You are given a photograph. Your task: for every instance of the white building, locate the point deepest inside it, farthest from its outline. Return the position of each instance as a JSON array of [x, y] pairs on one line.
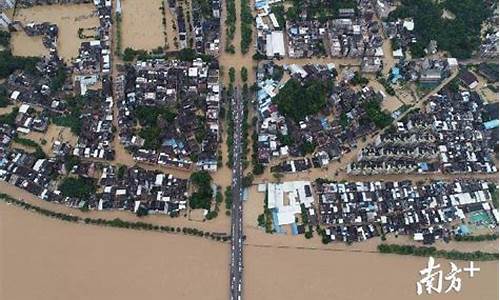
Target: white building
[[286, 198], [275, 44]]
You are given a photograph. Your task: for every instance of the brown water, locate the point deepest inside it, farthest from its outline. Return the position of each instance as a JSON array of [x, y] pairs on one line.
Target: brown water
[[236, 60], [142, 26], [24, 45], [42, 258], [272, 273], [69, 18], [52, 134], [60, 260]]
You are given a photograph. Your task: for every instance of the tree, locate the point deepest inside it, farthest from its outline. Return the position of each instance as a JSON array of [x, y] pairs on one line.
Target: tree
[[187, 54], [460, 36], [211, 215], [129, 54], [278, 176], [261, 220], [58, 81], [359, 80], [376, 115], [77, 187], [9, 118], [202, 198], [70, 162], [247, 180], [308, 147], [142, 211], [244, 74], [121, 172], [10, 63], [232, 74], [296, 100]]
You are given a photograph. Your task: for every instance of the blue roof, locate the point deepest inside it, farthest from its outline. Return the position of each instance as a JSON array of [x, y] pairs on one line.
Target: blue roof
[[261, 3], [261, 95], [491, 124], [424, 166], [276, 225], [464, 230], [324, 123]]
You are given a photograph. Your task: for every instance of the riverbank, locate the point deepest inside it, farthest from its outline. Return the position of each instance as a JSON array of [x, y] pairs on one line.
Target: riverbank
[[56, 260]]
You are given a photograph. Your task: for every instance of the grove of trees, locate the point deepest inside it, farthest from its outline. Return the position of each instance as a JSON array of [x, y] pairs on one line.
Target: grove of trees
[[296, 100]]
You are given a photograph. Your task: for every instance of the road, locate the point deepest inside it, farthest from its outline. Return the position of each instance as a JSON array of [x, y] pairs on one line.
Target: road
[[236, 266]]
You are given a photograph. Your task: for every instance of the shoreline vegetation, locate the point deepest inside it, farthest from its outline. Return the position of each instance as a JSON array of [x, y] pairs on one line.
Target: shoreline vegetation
[[117, 222], [411, 250], [476, 238], [432, 251]]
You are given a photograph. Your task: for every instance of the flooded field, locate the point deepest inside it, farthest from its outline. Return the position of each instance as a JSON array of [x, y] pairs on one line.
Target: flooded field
[[69, 18], [53, 133], [142, 26], [24, 45], [390, 103]]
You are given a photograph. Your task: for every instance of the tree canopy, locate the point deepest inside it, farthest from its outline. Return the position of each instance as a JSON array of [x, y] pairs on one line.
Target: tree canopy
[[296, 100], [77, 187], [10, 63], [459, 36], [202, 198]]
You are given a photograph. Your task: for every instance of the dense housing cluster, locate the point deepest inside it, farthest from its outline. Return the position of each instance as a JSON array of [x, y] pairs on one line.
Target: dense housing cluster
[[347, 114], [68, 173], [176, 105], [40, 85], [97, 186], [206, 26], [197, 26], [356, 211], [352, 32], [453, 134]]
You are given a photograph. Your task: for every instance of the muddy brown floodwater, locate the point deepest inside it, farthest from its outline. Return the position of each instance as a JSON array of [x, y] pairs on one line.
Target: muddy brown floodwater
[[291, 274], [142, 24], [69, 18], [42, 258]]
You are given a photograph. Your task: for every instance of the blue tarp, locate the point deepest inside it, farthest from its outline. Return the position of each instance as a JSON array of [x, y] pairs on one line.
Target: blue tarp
[[424, 166], [277, 227], [324, 123], [395, 74], [491, 124], [294, 229], [464, 230]]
